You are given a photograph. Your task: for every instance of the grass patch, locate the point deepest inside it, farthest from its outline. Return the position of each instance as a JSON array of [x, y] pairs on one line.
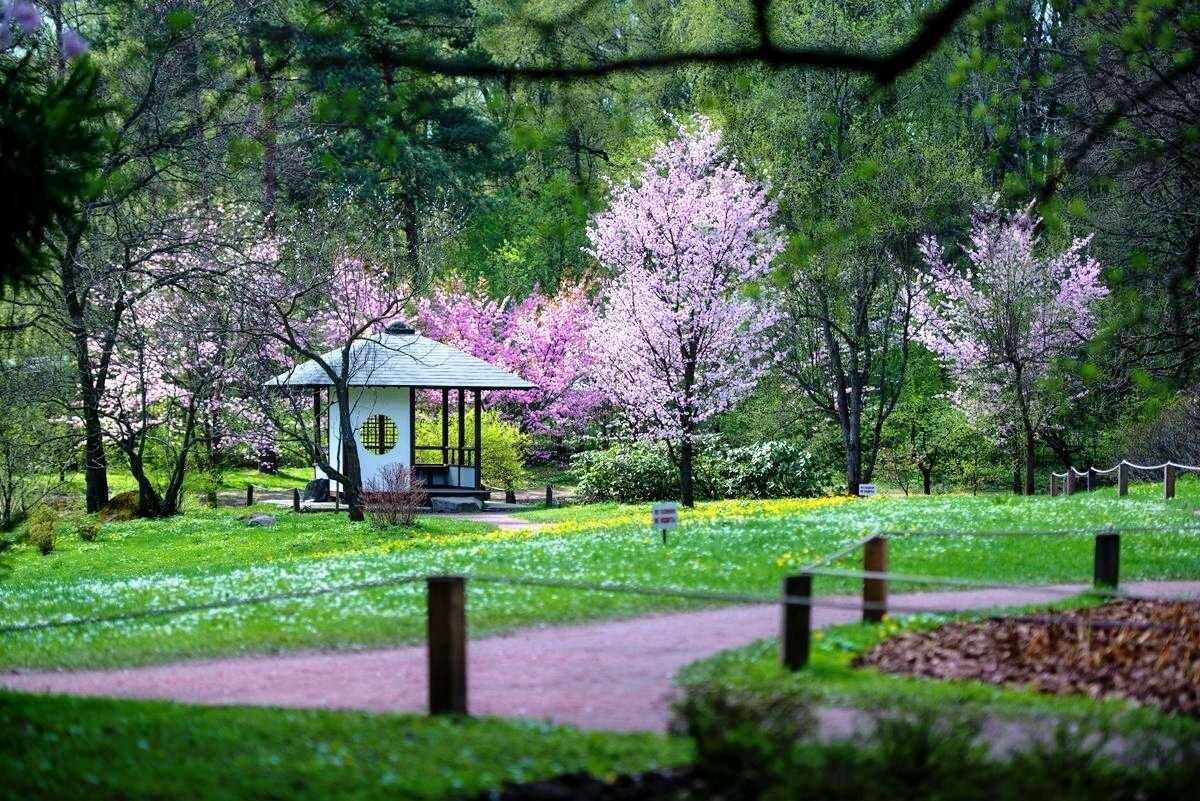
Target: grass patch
[[119, 480], [67, 748], [742, 546]]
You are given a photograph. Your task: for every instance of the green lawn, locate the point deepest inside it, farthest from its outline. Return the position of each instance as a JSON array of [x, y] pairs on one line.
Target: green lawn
[[285, 478], [755, 671], [75, 748], [744, 546]]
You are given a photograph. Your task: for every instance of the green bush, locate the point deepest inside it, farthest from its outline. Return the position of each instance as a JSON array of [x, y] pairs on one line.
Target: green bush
[[87, 531], [644, 471], [757, 744], [41, 528], [628, 473]]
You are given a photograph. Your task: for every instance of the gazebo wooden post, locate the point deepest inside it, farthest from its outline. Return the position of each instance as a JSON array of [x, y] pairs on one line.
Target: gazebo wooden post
[[412, 430], [478, 441], [445, 426], [462, 434]]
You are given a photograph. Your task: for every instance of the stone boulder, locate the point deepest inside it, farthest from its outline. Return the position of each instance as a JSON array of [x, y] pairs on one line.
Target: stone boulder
[[456, 504], [260, 521]]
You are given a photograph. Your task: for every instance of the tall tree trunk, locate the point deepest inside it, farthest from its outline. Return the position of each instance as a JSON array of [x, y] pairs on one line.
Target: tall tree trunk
[[412, 236], [686, 490], [351, 469], [926, 479], [1029, 456], [268, 127]]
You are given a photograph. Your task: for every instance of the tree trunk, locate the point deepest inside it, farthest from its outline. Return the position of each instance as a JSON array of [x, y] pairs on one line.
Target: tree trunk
[[351, 469], [412, 236], [926, 479], [149, 502], [853, 461], [686, 491], [95, 464], [1029, 454]]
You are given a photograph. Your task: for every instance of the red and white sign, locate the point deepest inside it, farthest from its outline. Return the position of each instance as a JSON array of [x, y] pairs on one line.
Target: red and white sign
[[664, 516]]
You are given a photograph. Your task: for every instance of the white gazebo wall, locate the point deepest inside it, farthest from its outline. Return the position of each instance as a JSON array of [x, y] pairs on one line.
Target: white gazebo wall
[[364, 403], [392, 402]]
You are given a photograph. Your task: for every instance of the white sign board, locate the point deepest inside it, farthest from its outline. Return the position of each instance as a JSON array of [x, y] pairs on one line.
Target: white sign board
[[866, 489], [664, 516]]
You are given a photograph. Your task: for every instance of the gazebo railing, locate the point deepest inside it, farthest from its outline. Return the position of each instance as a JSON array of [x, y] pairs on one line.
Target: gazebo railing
[[450, 455]]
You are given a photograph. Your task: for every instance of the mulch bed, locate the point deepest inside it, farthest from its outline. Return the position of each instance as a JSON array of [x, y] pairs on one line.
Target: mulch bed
[[1150, 655]]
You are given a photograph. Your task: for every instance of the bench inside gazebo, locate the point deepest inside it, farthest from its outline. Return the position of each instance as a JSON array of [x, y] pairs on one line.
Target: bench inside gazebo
[[386, 373]]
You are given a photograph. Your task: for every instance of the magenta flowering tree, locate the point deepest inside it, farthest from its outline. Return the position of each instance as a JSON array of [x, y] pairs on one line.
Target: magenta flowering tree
[[543, 339], [1003, 321], [680, 339]]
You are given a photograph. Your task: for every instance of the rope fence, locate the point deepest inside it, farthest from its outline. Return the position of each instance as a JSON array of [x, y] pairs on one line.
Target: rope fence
[[446, 607], [1072, 480]]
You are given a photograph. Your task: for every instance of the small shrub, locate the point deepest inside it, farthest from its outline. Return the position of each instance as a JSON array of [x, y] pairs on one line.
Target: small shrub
[[87, 531], [41, 528], [394, 497]]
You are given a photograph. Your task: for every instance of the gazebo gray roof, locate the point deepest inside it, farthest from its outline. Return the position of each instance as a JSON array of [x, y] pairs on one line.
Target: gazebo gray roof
[[403, 360]]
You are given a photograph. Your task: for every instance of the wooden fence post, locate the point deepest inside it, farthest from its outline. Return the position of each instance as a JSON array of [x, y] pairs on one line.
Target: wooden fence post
[[549, 496], [1106, 567], [295, 500], [1091, 479], [1169, 482], [797, 621], [1053, 485], [874, 589], [1122, 479], [249, 494], [1070, 481], [446, 610]]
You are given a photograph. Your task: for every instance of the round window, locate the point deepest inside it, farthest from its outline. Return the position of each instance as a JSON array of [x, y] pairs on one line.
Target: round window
[[378, 434]]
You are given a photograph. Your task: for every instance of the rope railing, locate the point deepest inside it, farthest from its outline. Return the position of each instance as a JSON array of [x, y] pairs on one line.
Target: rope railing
[[1071, 484], [446, 604]]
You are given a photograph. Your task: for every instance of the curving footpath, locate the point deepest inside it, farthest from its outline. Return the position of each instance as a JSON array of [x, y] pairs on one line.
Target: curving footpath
[[616, 675]]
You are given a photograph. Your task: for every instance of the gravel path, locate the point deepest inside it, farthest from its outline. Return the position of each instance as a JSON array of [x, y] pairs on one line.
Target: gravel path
[[615, 675]]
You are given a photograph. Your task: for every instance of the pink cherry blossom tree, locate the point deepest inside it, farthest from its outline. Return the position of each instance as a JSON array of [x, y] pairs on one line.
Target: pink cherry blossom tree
[[173, 374], [314, 293], [680, 338], [1004, 319], [543, 339]]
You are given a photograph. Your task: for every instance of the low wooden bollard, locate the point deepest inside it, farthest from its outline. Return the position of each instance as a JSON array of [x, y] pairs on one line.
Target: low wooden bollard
[[1107, 564], [1169, 482], [295, 500], [797, 621], [249, 494], [447, 620], [1092, 482], [1122, 479], [549, 496], [874, 589]]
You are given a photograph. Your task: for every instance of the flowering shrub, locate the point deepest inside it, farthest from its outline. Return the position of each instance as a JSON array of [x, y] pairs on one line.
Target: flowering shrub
[[644, 472], [394, 497]]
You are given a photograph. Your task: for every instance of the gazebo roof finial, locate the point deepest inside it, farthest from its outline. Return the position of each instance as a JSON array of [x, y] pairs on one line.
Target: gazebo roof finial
[[397, 327]]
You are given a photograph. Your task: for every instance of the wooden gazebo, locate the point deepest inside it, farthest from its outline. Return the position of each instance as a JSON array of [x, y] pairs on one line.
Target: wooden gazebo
[[385, 374]]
